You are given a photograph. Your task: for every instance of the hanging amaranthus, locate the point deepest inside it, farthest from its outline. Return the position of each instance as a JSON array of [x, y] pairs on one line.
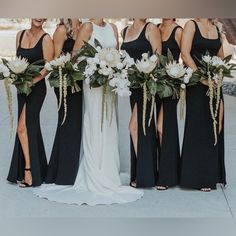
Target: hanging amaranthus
[[64, 98], [60, 87], [152, 110], [144, 106], [211, 98], [182, 100], [9, 100]]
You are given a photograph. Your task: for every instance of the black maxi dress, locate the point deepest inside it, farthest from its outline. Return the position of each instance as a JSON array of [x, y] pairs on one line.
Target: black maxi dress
[[202, 163], [33, 103], [64, 161], [144, 165], [169, 150]]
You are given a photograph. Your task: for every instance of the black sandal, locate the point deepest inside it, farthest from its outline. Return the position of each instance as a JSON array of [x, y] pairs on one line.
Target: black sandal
[[23, 184]]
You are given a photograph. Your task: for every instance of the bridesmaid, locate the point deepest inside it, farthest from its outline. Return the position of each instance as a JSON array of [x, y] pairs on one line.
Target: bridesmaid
[[167, 124], [29, 164], [202, 162], [64, 161], [141, 37]]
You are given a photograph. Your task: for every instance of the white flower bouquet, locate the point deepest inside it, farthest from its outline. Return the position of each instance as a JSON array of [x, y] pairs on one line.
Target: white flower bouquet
[[106, 68], [63, 73], [177, 76], [144, 74], [214, 69], [20, 73]]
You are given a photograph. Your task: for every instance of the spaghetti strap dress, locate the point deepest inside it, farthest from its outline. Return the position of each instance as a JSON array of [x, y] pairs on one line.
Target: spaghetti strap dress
[[64, 161], [169, 150], [202, 163], [144, 165], [33, 103]]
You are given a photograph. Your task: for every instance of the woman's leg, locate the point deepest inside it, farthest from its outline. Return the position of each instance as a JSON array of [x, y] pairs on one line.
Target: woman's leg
[[160, 124], [23, 137], [133, 128], [221, 115], [159, 133]]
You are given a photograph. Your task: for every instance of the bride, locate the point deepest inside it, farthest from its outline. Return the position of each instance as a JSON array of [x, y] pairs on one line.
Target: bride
[[98, 180]]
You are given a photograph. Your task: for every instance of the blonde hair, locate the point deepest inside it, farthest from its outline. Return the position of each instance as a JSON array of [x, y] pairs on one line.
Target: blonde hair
[[67, 22]]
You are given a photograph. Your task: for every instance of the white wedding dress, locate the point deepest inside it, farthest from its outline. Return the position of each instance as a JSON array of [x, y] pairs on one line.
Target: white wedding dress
[[98, 180]]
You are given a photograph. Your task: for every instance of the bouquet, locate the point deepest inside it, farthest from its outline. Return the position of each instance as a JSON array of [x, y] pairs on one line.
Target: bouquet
[[214, 69], [20, 73], [177, 76], [106, 68], [64, 73], [144, 74]]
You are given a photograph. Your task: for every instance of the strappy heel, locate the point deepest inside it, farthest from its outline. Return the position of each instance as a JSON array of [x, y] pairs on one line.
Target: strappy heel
[[23, 184]]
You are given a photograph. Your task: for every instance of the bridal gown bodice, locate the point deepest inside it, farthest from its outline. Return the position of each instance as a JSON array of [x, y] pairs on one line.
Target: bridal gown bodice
[[98, 179]]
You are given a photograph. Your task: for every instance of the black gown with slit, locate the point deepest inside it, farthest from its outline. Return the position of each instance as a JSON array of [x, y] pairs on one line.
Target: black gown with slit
[[169, 150], [64, 161], [144, 165], [33, 103], [202, 163]]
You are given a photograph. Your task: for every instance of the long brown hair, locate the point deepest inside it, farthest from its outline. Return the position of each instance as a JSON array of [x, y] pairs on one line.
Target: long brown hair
[[67, 22]]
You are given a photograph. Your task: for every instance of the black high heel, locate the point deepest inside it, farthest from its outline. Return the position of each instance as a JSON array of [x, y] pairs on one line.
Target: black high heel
[[23, 184]]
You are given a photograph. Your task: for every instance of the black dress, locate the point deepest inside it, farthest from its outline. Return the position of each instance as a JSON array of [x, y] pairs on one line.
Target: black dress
[[64, 161], [144, 165], [202, 164], [169, 150], [33, 102]]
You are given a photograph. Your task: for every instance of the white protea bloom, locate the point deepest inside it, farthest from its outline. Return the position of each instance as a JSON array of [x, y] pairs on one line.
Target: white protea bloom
[[183, 86], [18, 65], [48, 66], [217, 61], [175, 70], [153, 58], [4, 70], [145, 64], [110, 55], [61, 60], [207, 59]]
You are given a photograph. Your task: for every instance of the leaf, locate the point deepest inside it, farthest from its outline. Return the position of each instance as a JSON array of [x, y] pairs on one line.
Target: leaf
[[170, 55]]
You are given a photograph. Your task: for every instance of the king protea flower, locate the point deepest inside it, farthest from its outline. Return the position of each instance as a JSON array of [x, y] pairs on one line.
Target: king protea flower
[[18, 65], [175, 70], [110, 56], [146, 64]]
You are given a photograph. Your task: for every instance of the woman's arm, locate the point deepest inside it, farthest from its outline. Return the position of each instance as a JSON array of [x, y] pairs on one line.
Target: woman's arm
[[59, 38], [221, 52], [84, 35], [178, 35], [154, 37], [48, 55], [186, 45]]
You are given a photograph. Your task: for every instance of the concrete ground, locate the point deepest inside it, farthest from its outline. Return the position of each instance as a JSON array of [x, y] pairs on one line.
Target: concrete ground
[[16, 202]]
